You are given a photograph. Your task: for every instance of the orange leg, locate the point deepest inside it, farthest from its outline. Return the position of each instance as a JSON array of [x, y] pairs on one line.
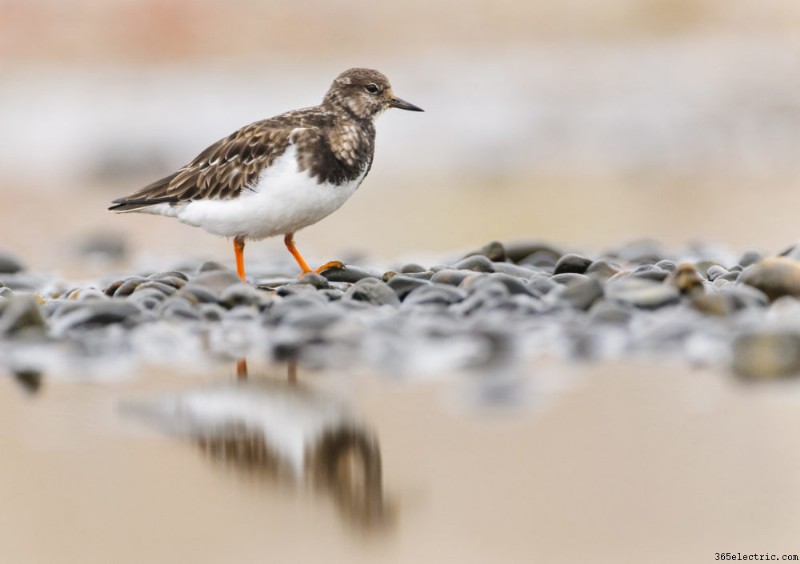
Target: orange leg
[[238, 248], [289, 242], [241, 369]]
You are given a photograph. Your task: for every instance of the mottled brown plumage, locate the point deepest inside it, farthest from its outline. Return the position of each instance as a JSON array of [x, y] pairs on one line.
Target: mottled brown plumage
[[335, 143]]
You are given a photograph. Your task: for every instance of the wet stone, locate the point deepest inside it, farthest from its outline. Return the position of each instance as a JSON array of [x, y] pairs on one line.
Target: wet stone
[[10, 264], [686, 280], [641, 293], [776, 277], [572, 263], [403, 285], [21, 316], [767, 356], [494, 251], [475, 263], [351, 274], [373, 291]]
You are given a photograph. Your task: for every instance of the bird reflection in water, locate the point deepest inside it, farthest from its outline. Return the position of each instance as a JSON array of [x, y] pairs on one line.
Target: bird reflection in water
[[284, 432]]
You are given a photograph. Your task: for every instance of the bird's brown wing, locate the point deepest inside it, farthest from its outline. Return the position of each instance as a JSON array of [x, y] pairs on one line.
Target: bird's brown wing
[[223, 170]]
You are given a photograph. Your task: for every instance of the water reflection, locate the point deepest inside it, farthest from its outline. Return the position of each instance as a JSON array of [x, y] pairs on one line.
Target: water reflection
[[283, 432]]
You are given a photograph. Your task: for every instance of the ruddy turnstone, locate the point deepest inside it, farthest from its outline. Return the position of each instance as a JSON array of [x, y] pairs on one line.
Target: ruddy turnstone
[[279, 175]]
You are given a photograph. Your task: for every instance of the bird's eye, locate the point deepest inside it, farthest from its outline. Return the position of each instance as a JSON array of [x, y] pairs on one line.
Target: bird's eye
[[372, 88]]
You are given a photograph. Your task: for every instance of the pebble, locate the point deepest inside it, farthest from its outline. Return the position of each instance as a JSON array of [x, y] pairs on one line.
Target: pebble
[[435, 294], [475, 263], [350, 274], [403, 285], [373, 291], [686, 279], [555, 303], [21, 316], [776, 277], [572, 263], [494, 251], [9, 264], [767, 355], [583, 293], [641, 293]]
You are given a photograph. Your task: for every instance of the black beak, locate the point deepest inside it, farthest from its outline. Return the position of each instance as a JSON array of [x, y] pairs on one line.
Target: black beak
[[403, 105]]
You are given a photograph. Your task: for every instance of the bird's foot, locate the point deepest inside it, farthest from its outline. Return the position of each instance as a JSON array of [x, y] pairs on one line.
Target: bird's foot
[[334, 264]]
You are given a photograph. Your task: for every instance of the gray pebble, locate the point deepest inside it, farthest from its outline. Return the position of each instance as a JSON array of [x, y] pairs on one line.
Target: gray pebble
[[604, 311], [296, 288], [168, 275], [318, 281], [332, 294], [240, 294], [426, 275], [568, 278], [602, 270], [541, 259], [21, 316], [196, 294], [494, 251], [178, 308], [540, 285], [210, 266], [475, 263], [513, 270], [217, 280], [350, 274], [667, 265], [745, 296], [211, 311], [521, 251], [715, 271], [372, 291], [572, 263], [749, 257], [450, 276], [164, 289], [412, 268], [582, 294], [9, 264], [649, 272], [97, 313], [512, 284], [434, 294], [313, 318], [641, 293], [402, 285]]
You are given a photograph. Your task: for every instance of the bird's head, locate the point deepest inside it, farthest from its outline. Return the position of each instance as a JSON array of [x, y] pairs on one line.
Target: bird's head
[[365, 93]]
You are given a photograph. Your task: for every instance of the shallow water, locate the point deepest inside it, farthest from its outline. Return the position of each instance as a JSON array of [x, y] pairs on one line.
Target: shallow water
[[603, 463]]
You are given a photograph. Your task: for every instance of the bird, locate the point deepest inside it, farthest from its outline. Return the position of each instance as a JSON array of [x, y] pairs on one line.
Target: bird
[[278, 175]]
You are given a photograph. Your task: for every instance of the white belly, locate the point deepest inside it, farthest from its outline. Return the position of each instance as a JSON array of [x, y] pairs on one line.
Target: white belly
[[283, 201]]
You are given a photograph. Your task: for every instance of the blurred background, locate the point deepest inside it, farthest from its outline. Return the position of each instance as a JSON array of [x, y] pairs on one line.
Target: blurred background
[[584, 123]]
